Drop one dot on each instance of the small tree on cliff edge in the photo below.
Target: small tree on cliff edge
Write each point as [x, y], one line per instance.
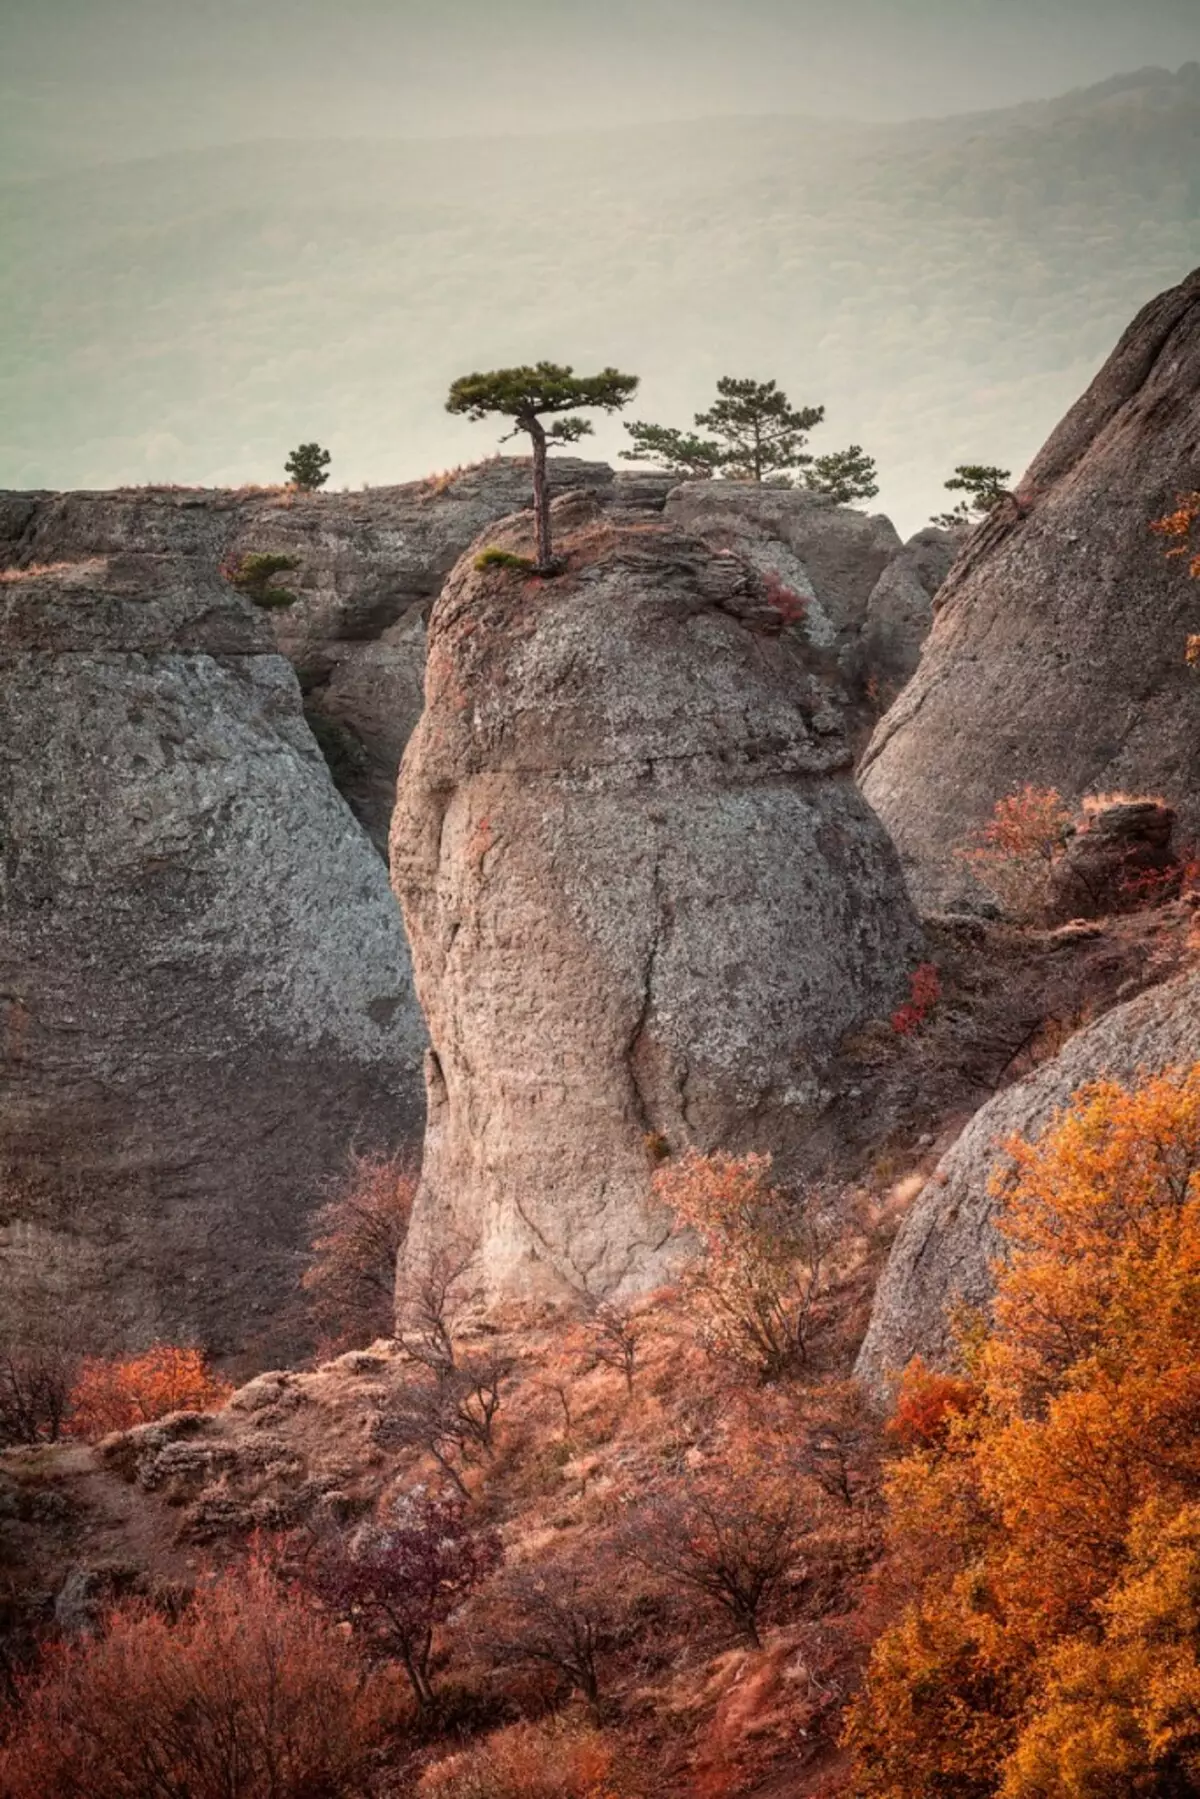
[985, 486]
[308, 466]
[526, 396]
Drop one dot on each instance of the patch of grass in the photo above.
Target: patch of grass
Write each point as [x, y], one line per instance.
[497, 558]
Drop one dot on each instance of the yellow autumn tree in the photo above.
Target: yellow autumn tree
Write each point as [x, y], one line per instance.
[1047, 1537]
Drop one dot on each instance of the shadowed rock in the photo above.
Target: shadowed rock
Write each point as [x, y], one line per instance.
[205, 997]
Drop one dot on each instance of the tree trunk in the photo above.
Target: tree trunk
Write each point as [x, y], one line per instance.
[541, 499]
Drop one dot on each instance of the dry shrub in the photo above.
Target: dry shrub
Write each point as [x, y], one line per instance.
[758, 1280]
[529, 1761]
[351, 1280]
[251, 1694]
[118, 1395]
[1019, 848]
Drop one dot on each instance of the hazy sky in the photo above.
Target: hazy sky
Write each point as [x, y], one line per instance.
[103, 78]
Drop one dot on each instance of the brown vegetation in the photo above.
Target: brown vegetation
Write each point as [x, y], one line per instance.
[249, 1694]
[350, 1281]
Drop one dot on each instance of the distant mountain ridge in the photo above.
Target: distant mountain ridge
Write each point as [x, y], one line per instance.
[944, 287]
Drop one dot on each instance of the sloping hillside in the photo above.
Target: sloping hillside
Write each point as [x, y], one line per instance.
[190, 317]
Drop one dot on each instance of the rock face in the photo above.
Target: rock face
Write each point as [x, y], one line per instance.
[369, 566]
[644, 899]
[1057, 652]
[831, 556]
[948, 1241]
[900, 609]
[1119, 852]
[205, 996]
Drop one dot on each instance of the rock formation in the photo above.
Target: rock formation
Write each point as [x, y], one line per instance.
[831, 556]
[1057, 651]
[205, 997]
[370, 564]
[900, 609]
[644, 899]
[948, 1241]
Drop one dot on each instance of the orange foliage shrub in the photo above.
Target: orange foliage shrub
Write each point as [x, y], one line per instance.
[251, 1694]
[757, 1281]
[1019, 848]
[350, 1282]
[925, 990]
[927, 1405]
[530, 1761]
[117, 1395]
[1177, 527]
[1050, 1529]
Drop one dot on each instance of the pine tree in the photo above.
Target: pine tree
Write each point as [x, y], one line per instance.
[761, 432]
[845, 475]
[985, 486]
[679, 452]
[306, 467]
[526, 395]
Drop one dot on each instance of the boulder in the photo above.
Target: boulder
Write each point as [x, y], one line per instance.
[1117, 856]
[205, 994]
[645, 901]
[900, 609]
[1058, 644]
[369, 565]
[831, 556]
[948, 1242]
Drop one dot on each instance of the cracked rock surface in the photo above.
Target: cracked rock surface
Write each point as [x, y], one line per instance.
[205, 993]
[644, 899]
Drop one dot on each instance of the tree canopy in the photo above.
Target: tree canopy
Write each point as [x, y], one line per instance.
[1045, 1520]
[308, 466]
[845, 475]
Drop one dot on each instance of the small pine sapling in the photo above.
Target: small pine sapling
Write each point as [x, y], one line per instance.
[254, 575]
[984, 485]
[307, 467]
[844, 475]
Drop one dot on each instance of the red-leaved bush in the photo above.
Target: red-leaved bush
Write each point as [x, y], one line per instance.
[926, 1405]
[925, 990]
[117, 1395]
[395, 1582]
[250, 1694]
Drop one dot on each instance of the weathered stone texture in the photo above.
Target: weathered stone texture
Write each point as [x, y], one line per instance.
[1057, 651]
[205, 995]
[948, 1242]
[643, 896]
[900, 609]
[370, 565]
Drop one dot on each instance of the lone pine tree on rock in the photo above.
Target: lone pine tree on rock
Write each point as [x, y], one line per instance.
[527, 396]
[307, 467]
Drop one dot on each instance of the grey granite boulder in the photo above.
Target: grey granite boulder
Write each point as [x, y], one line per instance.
[205, 994]
[645, 900]
[1057, 654]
